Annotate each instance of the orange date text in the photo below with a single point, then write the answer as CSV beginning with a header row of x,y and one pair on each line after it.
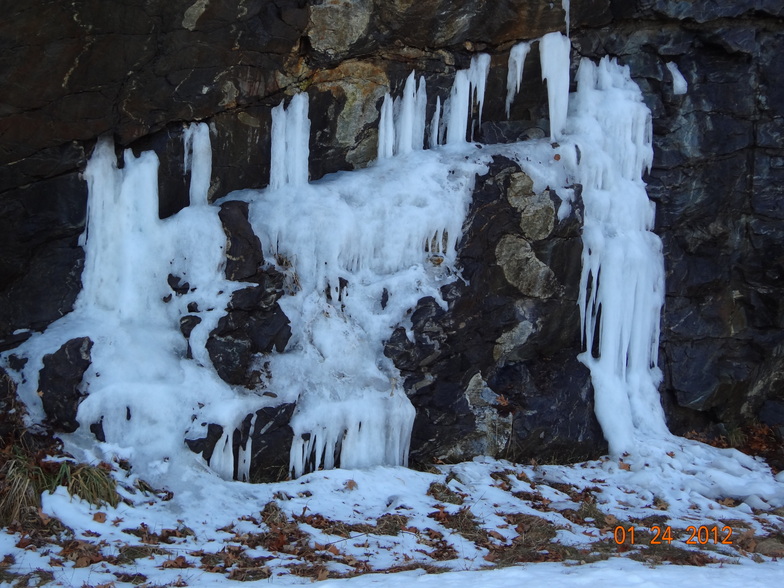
x,y
657,535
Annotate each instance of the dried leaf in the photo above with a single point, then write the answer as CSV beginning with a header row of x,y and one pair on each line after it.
x,y
99,517
178,562
497,535
624,466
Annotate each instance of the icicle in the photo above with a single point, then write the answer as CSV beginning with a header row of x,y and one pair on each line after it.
x,y
122,236
457,117
565,5
622,281
222,459
278,175
198,160
478,72
420,115
404,124
435,124
386,129
401,127
298,140
679,84
467,89
245,454
290,143
554,51
514,75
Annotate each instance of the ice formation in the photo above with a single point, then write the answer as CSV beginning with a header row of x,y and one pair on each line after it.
x,y
401,127
386,225
198,160
566,7
358,251
514,75
468,89
679,84
554,51
622,283
290,143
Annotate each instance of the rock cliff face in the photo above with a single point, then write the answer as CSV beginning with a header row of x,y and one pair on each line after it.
x,y
495,373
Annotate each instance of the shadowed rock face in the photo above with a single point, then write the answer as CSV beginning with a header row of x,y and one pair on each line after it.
x,y
59,383
141,69
496,373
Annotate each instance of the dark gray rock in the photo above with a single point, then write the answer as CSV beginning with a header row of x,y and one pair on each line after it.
x,y
59,382
270,438
495,369
254,324
244,257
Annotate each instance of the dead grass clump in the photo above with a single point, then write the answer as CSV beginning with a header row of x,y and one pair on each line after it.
x,y
25,475
128,554
444,493
390,524
464,523
657,554
535,536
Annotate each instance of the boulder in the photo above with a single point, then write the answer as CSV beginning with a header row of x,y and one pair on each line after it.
x,y
59,381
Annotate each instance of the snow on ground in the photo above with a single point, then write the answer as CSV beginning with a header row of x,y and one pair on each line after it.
x,y
572,522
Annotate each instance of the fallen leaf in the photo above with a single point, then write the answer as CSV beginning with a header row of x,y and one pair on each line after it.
x,y
99,517
624,466
178,562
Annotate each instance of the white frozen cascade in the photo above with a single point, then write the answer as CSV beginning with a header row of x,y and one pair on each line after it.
x,y
358,250
290,143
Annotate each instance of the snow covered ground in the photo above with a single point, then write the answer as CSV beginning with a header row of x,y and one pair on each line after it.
x,y
478,523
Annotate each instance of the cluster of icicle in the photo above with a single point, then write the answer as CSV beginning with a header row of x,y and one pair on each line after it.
x,y
622,282
402,124
351,413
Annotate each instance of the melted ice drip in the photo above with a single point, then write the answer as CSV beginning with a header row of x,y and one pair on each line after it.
x,y
198,160
402,124
467,89
554,52
290,143
514,75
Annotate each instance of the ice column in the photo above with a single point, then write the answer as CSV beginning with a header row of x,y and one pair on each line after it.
x,y
467,89
290,143
198,160
514,75
622,282
386,129
122,272
402,124
554,51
